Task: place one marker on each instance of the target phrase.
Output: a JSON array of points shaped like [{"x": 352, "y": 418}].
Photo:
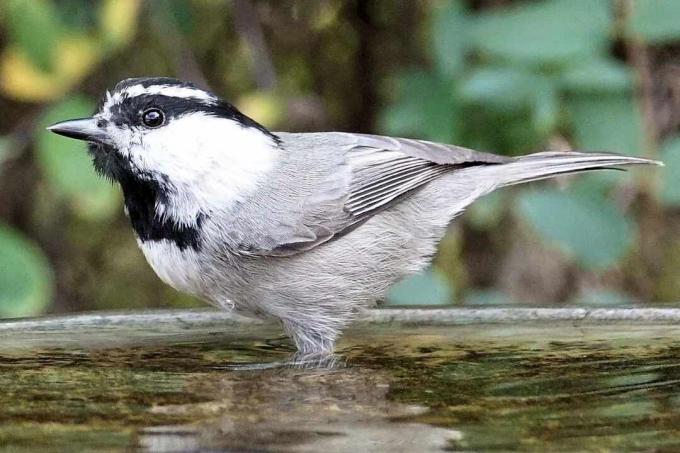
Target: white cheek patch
[{"x": 212, "y": 162}]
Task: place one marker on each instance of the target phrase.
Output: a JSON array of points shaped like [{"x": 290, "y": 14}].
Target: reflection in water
[
  {"x": 296, "y": 360},
  {"x": 395, "y": 389},
  {"x": 299, "y": 409}
]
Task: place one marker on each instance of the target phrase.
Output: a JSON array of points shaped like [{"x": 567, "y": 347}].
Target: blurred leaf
[
  {"x": 591, "y": 230},
  {"x": 670, "y": 180},
  {"x": 547, "y": 31},
  {"x": 596, "y": 184},
  {"x": 449, "y": 38},
  {"x": 656, "y": 21},
  {"x": 477, "y": 297},
  {"x": 322, "y": 15},
  {"x": 266, "y": 106},
  {"x": 507, "y": 109},
  {"x": 601, "y": 75},
  {"x": 67, "y": 165},
  {"x": 501, "y": 88},
  {"x": 77, "y": 14},
  {"x": 72, "y": 54},
  {"x": 602, "y": 298},
  {"x": 482, "y": 131},
  {"x": 448, "y": 262},
  {"x": 20, "y": 79},
  {"x": 5, "y": 148},
  {"x": 424, "y": 108},
  {"x": 667, "y": 284},
  {"x": 34, "y": 28},
  {"x": 25, "y": 276},
  {"x": 606, "y": 122},
  {"x": 180, "y": 12},
  {"x": 486, "y": 212},
  {"x": 546, "y": 107},
  {"x": 508, "y": 89},
  {"x": 118, "y": 21},
  {"x": 427, "y": 288}
]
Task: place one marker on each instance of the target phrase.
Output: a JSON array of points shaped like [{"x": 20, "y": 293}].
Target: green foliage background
[{"x": 509, "y": 76}]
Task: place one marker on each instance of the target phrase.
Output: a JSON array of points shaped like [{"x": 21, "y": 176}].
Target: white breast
[{"x": 178, "y": 268}]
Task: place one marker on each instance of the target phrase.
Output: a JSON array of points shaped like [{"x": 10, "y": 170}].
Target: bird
[{"x": 305, "y": 228}]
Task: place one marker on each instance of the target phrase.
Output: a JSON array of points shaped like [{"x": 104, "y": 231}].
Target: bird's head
[{"x": 184, "y": 141}]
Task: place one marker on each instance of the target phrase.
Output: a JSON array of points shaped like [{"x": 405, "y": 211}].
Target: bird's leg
[
  {"x": 314, "y": 350},
  {"x": 309, "y": 341}
]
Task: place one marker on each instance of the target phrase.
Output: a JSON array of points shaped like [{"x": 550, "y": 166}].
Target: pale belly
[{"x": 184, "y": 271}]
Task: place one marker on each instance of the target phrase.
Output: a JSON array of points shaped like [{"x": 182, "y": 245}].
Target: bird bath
[{"x": 413, "y": 380}]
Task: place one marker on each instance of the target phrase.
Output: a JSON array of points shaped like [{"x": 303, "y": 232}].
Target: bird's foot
[{"x": 297, "y": 360}]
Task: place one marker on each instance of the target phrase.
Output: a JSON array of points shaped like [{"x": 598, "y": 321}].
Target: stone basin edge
[{"x": 205, "y": 318}]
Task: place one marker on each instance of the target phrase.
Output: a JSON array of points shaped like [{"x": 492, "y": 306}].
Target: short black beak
[{"x": 80, "y": 129}]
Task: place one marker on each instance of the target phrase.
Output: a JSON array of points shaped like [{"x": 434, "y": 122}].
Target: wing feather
[
  {"x": 382, "y": 171},
  {"x": 385, "y": 169}
]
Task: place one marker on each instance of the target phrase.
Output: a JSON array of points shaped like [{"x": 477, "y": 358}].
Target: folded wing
[{"x": 374, "y": 173}]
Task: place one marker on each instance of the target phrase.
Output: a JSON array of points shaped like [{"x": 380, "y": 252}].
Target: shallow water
[{"x": 476, "y": 387}]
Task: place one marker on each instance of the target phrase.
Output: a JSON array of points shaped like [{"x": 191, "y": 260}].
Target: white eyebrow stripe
[
  {"x": 163, "y": 90},
  {"x": 168, "y": 90}
]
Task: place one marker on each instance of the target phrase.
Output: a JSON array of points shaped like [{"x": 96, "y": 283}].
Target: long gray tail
[{"x": 534, "y": 167}]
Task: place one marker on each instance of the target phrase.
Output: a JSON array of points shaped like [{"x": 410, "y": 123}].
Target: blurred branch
[
  {"x": 650, "y": 216},
  {"x": 365, "y": 75},
  {"x": 248, "y": 27},
  {"x": 18, "y": 172},
  {"x": 21, "y": 135},
  {"x": 175, "y": 46},
  {"x": 638, "y": 57}
]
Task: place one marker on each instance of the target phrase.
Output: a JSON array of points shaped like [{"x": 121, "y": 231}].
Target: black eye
[{"x": 153, "y": 118}]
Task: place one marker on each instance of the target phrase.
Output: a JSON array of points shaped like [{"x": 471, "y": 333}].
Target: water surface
[{"x": 217, "y": 387}]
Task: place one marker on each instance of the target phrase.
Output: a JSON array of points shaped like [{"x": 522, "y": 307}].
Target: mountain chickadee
[{"x": 305, "y": 228}]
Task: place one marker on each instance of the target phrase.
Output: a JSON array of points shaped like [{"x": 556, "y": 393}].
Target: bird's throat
[{"x": 143, "y": 196}]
